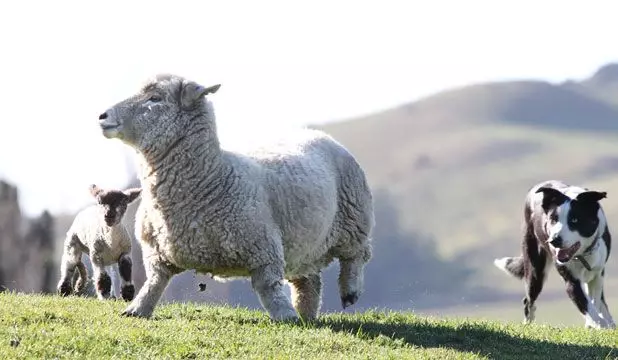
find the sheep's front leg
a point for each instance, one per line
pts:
(307, 295)
(267, 282)
(125, 266)
(158, 276)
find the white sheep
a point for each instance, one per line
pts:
(99, 232)
(281, 213)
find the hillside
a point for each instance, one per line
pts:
(77, 328)
(459, 163)
(449, 174)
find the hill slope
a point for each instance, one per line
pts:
(458, 165)
(48, 327)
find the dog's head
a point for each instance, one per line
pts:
(572, 223)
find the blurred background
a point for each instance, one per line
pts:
(454, 109)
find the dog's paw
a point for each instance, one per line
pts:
(590, 324)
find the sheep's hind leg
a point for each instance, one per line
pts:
(351, 274)
(307, 295)
(267, 282)
(158, 276)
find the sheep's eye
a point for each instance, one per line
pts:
(155, 98)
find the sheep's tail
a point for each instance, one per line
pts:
(513, 266)
(82, 277)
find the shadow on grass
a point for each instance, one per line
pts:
(469, 338)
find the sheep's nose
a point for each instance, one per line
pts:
(103, 116)
(556, 241)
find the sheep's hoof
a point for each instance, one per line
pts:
(287, 319)
(349, 300)
(132, 313)
(284, 315)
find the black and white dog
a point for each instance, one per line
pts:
(566, 226)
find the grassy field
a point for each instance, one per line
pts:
(52, 327)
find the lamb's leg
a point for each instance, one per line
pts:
(71, 257)
(102, 280)
(158, 276)
(267, 282)
(351, 272)
(307, 295)
(125, 265)
(82, 278)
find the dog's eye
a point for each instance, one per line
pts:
(553, 217)
(574, 220)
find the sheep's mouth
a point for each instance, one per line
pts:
(109, 126)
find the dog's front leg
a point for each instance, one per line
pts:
(595, 293)
(585, 306)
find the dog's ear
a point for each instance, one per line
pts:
(551, 197)
(591, 196)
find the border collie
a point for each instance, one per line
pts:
(564, 225)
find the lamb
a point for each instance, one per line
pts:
(280, 213)
(98, 231)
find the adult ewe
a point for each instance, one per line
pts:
(283, 212)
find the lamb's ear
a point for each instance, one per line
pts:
(551, 197)
(591, 196)
(193, 92)
(95, 191)
(133, 194)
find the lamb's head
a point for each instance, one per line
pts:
(163, 111)
(114, 203)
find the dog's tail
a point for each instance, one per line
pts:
(513, 266)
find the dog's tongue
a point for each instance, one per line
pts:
(564, 255)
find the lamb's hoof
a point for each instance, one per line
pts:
(65, 289)
(128, 292)
(349, 300)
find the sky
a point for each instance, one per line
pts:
(281, 64)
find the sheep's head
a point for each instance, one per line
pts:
(161, 112)
(114, 203)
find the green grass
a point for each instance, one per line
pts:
(34, 326)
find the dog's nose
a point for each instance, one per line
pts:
(103, 116)
(556, 241)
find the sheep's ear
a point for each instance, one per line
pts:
(95, 191)
(193, 92)
(133, 194)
